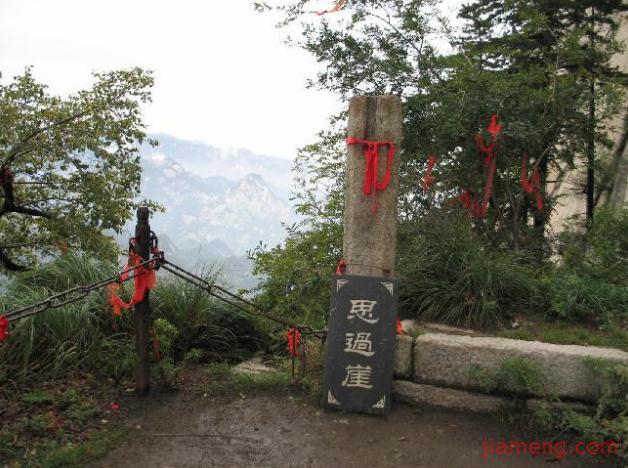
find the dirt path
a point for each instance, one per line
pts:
(183, 430)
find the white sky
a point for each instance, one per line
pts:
(223, 74)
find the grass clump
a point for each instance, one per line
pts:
(450, 274)
(80, 454)
(515, 375)
(85, 337)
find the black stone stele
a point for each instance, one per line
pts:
(361, 344)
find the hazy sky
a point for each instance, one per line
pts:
(223, 75)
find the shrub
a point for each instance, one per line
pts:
(450, 274)
(85, 336)
(584, 296)
(591, 282)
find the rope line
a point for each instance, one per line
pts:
(215, 291)
(70, 295)
(77, 293)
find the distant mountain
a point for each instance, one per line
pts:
(209, 161)
(219, 203)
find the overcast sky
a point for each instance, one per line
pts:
(223, 74)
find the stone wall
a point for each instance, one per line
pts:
(442, 370)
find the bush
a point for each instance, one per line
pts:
(297, 274)
(85, 336)
(450, 274)
(591, 282)
(583, 296)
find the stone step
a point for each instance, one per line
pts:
(456, 361)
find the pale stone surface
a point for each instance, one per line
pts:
(403, 356)
(448, 398)
(252, 366)
(446, 360)
(370, 239)
(534, 404)
(440, 328)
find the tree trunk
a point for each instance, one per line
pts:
(591, 154)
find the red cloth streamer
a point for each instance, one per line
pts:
(6, 176)
(338, 6)
(428, 179)
(494, 128)
(341, 267)
(144, 279)
(469, 201)
(4, 328)
(371, 153)
(480, 209)
(400, 328)
(532, 185)
(294, 341)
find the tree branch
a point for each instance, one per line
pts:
(21, 147)
(9, 264)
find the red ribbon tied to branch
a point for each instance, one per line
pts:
(371, 153)
(532, 185)
(480, 209)
(4, 328)
(143, 280)
(337, 7)
(428, 179)
(294, 341)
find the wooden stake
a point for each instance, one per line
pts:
(142, 309)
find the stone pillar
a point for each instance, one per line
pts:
(370, 239)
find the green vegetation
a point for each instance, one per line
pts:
(75, 455)
(70, 165)
(62, 363)
(521, 377)
(84, 336)
(544, 69)
(515, 375)
(224, 381)
(610, 419)
(567, 333)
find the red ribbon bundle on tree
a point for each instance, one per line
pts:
(532, 185)
(371, 152)
(480, 209)
(143, 279)
(294, 341)
(428, 179)
(4, 328)
(338, 6)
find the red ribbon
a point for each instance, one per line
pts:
(532, 185)
(341, 267)
(400, 328)
(6, 176)
(4, 328)
(428, 179)
(144, 279)
(294, 341)
(480, 209)
(371, 153)
(338, 6)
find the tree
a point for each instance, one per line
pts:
(69, 167)
(529, 62)
(577, 39)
